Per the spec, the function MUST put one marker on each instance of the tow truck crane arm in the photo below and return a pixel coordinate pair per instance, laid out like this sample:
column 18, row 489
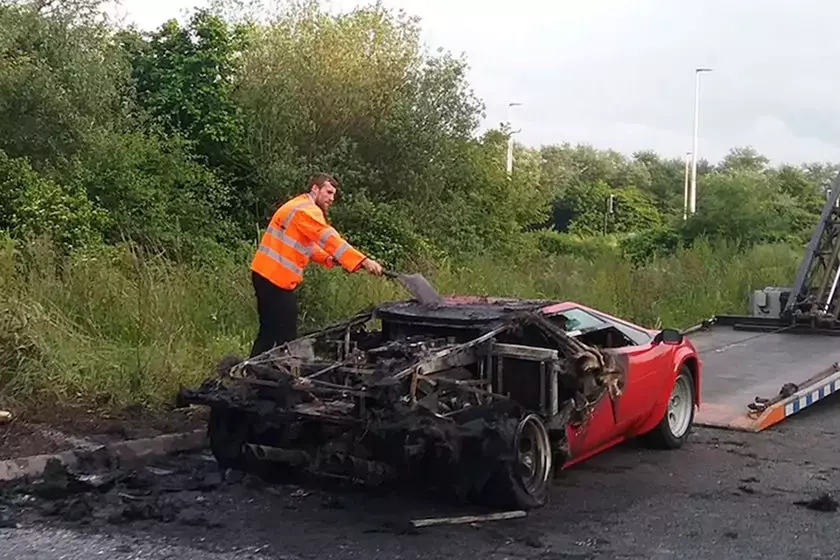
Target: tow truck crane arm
column 812, row 297
column 811, row 305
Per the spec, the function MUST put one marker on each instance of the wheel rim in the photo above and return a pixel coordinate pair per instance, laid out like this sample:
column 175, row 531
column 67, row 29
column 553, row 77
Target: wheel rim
column 680, row 406
column 533, row 450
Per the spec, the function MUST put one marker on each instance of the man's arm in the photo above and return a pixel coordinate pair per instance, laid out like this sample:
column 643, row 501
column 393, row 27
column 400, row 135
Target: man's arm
column 322, row 257
column 327, row 238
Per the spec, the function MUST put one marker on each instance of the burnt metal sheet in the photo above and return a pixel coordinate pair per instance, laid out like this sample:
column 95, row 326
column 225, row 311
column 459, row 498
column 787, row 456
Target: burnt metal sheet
column 465, row 313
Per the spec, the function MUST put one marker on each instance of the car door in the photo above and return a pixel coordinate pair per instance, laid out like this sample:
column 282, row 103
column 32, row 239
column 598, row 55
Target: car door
column 613, row 417
column 644, row 364
column 598, row 432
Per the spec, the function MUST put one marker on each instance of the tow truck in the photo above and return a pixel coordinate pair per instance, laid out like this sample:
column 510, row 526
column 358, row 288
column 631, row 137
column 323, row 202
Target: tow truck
column 782, row 356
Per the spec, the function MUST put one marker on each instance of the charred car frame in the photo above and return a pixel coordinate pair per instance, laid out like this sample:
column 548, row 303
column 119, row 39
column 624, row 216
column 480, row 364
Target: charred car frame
column 474, row 396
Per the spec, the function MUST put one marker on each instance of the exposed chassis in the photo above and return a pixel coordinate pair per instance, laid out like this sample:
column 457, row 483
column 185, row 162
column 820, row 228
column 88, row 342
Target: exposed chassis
column 474, row 399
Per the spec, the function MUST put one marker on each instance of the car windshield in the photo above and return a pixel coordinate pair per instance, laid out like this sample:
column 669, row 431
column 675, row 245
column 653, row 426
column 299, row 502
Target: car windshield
column 580, row 320
column 575, row 320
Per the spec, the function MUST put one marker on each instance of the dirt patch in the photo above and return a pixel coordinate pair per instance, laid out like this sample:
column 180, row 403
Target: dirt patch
column 52, row 429
column 22, row 440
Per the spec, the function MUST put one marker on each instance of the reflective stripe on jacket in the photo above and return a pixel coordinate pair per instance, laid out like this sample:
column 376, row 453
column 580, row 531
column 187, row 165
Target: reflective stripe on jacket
column 297, row 233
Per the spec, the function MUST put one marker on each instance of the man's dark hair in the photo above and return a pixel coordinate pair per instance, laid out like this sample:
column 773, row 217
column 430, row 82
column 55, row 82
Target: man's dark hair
column 319, row 179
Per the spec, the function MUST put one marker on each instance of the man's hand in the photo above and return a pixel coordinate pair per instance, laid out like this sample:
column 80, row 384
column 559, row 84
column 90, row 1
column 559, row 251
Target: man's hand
column 372, row 266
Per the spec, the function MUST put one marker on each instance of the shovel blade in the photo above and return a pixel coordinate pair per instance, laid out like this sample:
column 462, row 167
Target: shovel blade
column 420, row 288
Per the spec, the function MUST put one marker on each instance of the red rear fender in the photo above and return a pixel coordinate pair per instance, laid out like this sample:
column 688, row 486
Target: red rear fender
column 684, row 355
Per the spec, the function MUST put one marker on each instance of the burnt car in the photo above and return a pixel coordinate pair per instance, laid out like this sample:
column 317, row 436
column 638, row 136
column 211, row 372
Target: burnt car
column 482, row 398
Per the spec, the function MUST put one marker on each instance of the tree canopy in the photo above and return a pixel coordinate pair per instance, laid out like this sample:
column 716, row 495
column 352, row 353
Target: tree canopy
column 191, row 135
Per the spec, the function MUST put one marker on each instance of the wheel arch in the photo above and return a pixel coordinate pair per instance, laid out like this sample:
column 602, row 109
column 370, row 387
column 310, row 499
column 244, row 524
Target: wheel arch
column 693, row 364
column 688, row 360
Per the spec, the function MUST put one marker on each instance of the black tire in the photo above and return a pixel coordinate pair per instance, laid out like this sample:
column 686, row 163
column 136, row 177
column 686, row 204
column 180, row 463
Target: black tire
column 513, row 483
column 663, row 436
column 228, row 433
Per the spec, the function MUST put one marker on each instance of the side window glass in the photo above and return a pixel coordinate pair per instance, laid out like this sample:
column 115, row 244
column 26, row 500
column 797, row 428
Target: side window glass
column 637, row 336
column 576, row 320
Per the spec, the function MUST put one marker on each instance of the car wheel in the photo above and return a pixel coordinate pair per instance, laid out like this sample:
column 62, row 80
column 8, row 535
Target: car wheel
column 676, row 423
column 522, row 480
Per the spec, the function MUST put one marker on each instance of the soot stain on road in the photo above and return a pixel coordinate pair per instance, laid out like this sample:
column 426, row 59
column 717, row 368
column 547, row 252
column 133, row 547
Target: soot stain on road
column 114, row 494
column 182, row 489
column 187, row 498
column 823, row 503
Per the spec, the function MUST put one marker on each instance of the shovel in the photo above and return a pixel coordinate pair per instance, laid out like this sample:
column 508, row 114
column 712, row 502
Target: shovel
column 418, row 286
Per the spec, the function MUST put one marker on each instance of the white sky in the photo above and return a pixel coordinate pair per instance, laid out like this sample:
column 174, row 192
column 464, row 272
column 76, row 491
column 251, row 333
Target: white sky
column 620, row 73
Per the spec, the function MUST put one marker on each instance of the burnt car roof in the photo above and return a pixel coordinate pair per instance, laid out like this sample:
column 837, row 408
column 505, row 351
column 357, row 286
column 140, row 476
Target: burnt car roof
column 465, row 311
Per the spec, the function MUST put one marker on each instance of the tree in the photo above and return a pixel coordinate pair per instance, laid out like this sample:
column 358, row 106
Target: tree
column 356, row 94
column 743, row 206
column 744, row 159
column 60, row 80
column 185, row 79
column 667, row 181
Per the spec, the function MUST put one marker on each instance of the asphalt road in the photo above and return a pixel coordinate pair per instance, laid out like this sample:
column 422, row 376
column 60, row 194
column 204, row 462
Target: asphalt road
column 725, row 495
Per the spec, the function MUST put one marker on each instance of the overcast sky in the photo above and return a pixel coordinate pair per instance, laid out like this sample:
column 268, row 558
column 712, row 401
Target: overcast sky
column 620, row 73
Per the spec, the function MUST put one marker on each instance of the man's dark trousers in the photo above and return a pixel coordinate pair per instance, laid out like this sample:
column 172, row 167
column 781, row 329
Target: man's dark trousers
column 278, row 313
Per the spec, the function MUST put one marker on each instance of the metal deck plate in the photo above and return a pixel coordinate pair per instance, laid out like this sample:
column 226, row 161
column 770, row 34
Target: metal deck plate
column 739, row 366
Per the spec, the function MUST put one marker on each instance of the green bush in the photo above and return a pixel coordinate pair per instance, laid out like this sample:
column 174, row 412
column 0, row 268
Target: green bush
column 557, row 243
column 382, row 230
column 32, row 205
column 641, row 246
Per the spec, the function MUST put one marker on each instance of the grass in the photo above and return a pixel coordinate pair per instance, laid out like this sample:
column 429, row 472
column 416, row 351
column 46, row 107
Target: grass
column 114, row 326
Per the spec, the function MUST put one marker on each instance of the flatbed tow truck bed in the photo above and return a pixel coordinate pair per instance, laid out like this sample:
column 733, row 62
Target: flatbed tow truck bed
column 791, row 371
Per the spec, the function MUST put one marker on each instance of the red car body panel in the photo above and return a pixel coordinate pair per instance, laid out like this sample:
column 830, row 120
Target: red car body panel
column 650, row 375
column 651, row 372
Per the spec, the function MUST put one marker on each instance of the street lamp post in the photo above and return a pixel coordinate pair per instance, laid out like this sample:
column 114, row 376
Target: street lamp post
column 509, row 165
column 685, row 186
column 693, row 191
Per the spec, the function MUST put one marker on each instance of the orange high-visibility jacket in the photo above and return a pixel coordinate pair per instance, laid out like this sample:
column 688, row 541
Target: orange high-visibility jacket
column 297, row 232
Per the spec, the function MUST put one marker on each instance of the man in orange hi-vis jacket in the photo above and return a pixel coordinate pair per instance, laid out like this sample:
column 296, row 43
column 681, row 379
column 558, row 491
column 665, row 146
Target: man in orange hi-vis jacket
column 297, row 233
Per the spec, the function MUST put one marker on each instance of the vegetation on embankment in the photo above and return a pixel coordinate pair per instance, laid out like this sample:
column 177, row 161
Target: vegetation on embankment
column 116, row 326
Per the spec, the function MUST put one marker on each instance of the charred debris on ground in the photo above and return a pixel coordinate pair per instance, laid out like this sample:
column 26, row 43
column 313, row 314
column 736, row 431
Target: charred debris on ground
column 104, row 489
column 434, row 392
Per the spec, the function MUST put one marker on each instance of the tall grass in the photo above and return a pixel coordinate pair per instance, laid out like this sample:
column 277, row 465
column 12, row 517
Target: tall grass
column 115, row 326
